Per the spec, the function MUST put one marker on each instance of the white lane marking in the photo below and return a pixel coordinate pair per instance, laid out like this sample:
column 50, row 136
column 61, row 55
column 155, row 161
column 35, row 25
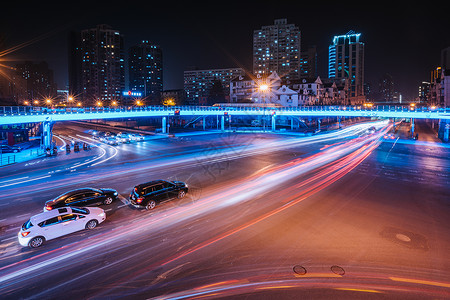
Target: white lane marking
column 14, row 179
column 33, row 179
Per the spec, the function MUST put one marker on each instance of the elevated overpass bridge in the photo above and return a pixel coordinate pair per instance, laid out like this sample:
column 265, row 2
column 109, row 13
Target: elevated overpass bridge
column 46, row 116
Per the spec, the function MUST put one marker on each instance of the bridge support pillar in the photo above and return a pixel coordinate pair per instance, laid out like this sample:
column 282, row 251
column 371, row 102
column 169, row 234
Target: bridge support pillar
column 164, row 125
column 222, row 123
column 204, row 122
column 273, row 123
column 318, row 124
column 444, row 130
column 47, row 135
column 412, row 127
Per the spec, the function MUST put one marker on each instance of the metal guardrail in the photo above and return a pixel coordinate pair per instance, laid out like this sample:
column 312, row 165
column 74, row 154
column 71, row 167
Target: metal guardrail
column 24, row 114
column 35, row 110
column 7, row 160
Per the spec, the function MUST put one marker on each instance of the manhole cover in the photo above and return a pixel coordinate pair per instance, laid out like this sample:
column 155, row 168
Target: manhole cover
column 337, row 270
column 406, row 238
column 299, row 270
column 403, row 237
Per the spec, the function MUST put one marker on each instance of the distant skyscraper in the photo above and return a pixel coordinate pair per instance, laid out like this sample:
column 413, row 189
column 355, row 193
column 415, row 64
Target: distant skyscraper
column 277, row 48
column 102, row 65
column 346, row 61
column 386, row 88
column 308, row 63
column 146, row 71
column 445, row 58
column 75, row 59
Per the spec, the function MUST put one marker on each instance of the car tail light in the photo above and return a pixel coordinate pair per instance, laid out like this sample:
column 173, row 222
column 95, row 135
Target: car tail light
column 48, row 207
column 25, row 233
column 139, row 200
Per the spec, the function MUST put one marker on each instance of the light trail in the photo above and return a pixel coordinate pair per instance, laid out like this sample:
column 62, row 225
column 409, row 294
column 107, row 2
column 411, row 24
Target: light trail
column 193, row 159
column 353, row 151
column 348, row 155
column 324, row 179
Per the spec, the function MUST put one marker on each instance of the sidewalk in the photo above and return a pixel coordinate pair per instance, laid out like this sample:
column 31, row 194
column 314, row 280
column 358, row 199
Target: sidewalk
column 24, row 155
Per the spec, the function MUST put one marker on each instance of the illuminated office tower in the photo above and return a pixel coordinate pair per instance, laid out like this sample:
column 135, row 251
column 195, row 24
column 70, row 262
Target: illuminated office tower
column 346, row 61
column 102, row 66
column 277, row 48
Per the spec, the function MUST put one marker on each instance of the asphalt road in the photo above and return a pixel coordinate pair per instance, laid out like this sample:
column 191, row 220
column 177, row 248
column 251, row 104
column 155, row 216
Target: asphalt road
column 337, row 215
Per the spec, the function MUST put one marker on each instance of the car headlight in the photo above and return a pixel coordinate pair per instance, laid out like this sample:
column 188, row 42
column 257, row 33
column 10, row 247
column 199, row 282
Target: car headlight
column 116, row 193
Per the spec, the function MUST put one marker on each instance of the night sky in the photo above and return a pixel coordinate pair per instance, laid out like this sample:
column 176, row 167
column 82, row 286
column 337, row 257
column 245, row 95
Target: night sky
column 404, row 41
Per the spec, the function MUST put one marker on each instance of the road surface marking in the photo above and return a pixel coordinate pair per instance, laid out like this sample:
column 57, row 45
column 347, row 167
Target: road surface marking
column 33, row 179
column 441, row 284
column 358, row 290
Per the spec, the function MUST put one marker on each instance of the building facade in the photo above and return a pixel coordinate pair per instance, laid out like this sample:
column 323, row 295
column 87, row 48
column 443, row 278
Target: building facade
column 346, row 61
column 198, row 83
column 145, row 65
column 102, row 65
column 289, row 93
column 35, row 80
column 308, row 63
column 276, row 48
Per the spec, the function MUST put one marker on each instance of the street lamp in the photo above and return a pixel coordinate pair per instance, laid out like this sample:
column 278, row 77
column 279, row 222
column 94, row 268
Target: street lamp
column 264, row 88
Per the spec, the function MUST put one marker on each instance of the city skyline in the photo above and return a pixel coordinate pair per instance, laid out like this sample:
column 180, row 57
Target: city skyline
column 402, row 41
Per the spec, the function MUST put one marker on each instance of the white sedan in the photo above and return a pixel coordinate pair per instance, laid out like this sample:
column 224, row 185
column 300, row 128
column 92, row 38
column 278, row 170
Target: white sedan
column 55, row 223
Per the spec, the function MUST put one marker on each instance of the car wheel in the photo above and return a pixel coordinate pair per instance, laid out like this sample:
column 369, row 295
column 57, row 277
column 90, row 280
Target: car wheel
column 91, row 224
column 108, row 201
column 181, row 194
column 150, row 205
column 36, row 242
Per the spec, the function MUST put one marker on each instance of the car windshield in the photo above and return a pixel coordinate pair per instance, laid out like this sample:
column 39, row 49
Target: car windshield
column 80, row 210
column 27, row 225
column 61, row 197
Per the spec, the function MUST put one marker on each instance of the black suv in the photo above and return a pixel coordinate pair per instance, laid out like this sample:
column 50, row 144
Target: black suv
column 83, row 197
column 147, row 195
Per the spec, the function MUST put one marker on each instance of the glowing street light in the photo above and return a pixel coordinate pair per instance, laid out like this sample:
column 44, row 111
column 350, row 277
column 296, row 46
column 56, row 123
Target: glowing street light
column 99, row 103
column 263, row 88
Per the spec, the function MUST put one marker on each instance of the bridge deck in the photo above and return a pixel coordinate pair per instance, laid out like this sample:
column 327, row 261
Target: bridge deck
column 17, row 115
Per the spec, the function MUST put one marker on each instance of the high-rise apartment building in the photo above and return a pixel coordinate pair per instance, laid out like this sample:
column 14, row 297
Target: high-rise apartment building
column 146, row 71
column 37, row 78
column 277, row 48
column 346, row 61
column 102, row 65
column 198, row 83
column 308, row 63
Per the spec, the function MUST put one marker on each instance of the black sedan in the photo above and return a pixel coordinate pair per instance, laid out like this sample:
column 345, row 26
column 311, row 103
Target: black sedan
column 83, row 197
column 147, row 195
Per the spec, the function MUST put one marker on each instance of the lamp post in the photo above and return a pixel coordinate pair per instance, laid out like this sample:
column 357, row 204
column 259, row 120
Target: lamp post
column 264, row 88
